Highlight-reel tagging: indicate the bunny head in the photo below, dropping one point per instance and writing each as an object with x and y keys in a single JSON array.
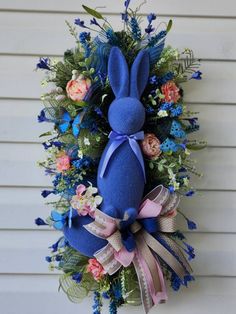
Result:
[{"x": 126, "y": 114}]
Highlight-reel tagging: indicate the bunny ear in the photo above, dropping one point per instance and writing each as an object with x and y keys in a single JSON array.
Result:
[
  {"x": 118, "y": 73},
  {"x": 139, "y": 74}
]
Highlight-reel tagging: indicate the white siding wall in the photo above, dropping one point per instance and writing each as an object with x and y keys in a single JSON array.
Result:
[{"x": 31, "y": 28}]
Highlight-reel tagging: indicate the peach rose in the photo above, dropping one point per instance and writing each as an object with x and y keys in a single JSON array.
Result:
[
  {"x": 95, "y": 268},
  {"x": 150, "y": 145},
  {"x": 63, "y": 163},
  {"x": 171, "y": 92},
  {"x": 77, "y": 89}
]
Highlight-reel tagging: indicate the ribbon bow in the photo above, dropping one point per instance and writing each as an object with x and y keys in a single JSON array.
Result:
[
  {"x": 159, "y": 203},
  {"x": 117, "y": 140}
]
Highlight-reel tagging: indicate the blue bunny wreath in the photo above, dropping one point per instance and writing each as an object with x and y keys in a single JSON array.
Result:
[{"x": 120, "y": 130}]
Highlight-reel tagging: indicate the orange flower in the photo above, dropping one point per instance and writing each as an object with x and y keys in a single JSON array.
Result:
[
  {"x": 63, "y": 163},
  {"x": 95, "y": 268},
  {"x": 151, "y": 145},
  {"x": 171, "y": 92},
  {"x": 77, "y": 89}
]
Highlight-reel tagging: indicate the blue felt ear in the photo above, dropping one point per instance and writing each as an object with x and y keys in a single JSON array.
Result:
[
  {"x": 139, "y": 74},
  {"x": 118, "y": 73}
]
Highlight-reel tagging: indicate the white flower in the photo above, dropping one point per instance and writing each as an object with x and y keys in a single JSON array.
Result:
[
  {"x": 86, "y": 141},
  {"x": 59, "y": 90},
  {"x": 176, "y": 185},
  {"x": 80, "y": 154},
  {"x": 162, "y": 113},
  {"x": 44, "y": 83},
  {"x": 187, "y": 152},
  {"x": 186, "y": 181}
]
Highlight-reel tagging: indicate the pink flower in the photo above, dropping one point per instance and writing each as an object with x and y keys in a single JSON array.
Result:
[
  {"x": 84, "y": 201},
  {"x": 80, "y": 189},
  {"x": 77, "y": 89},
  {"x": 151, "y": 145},
  {"x": 171, "y": 92},
  {"x": 95, "y": 268},
  {"x": 63, "y": 163}
]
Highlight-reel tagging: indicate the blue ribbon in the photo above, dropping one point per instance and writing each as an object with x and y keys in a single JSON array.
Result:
[{"x": 117, "y": 140}]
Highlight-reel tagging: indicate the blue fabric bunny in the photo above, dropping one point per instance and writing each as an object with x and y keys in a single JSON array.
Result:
[{"x": 121, "y": 173}]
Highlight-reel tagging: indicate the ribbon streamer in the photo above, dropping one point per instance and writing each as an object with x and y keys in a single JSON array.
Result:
[
  {"x": 118, "y": 139},
  {"x": 159, "y": 204}
]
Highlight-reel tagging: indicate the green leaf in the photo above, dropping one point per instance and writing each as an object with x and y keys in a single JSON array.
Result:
[
  {"x": 46, "y": 134},
  {"x": 151, "y": 166},
  {"x": 169, "y": 26},
  {"x": 160, "y": 167},
  {"x": 93, "y": 12},
  {"x": 80, "y": 103}
]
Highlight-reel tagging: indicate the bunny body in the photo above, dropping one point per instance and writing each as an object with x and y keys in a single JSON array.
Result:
[{"x": 122, "y": 183}]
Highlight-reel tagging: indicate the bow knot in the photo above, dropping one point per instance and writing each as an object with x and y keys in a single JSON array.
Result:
[{"x": 116, "y": 140}]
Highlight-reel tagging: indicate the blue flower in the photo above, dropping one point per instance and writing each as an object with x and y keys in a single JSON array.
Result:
[
  {"x": 42, "y": 117},
  {"x": 111, "y": 36},
  {"x": 84, "y": 36},
  {"x": 97, "y": 305},
  {"x": 54, "y": 246},
  {"x": 175, "y": 112},
  {"x": 43, "y": 64},
  {"x": 188, "y": 278},
  {"x": 149, "y": 29},
  {"x": 48, "y": 259},
  {"x": 47, "y": 145},
  {"x": 79, "y": 23},
  {"x": 124, "y": 17},
  {"x": 77, "y": 277},
  {"x": 58, "y": 258},
  {"x": 171, "y": 189},
  {"x": 192, "y": 121},
  {"x": 105, "y": 295},
  {"x": 196, "y": 75},
  {"x": 149, "y": 110},
  {"x": 40, "y": 222},
  {"x": 191, "y": 224},
  {"x": 94, "y": 22},
  {"x": 151, "y": 17},
  {"x": 98, "y": 111},
  {"x": 153, "y": 80},
  {"x": 58, "y": 219},
  {"x": 45, "y": 193},
  {"x": 175, "y": 282},
  {"x": 126, "y": 4},
  {"x": 166, "y": 106},
  {"x": 82, "y": 162},
  {"x": 189, "y": 251},
  {"x": 190, "y": 193}
]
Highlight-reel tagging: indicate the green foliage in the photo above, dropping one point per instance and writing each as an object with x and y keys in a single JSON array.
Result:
[
  {"x": 93, "y": 12},
  {"x": 169, "y": 26},
  {"x": 73, "y": 261},
  {"x": 74, "y": 291}
]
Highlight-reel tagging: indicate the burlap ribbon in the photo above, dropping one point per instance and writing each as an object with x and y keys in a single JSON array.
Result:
[{"x": 160, "y": 204}]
